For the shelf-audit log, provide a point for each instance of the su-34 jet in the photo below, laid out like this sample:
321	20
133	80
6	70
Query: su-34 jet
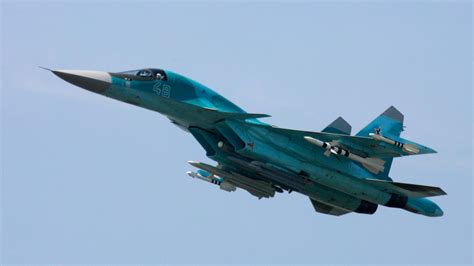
339	173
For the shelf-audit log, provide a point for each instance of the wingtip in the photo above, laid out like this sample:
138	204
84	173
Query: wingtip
425	150
430	150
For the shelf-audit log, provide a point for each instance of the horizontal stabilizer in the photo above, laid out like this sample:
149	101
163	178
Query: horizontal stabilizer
326	209
339	126
409	190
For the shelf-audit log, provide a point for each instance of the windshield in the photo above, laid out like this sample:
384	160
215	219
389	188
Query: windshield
144	73
147	73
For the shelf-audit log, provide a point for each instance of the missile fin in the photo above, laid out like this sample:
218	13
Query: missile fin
409	148
374	165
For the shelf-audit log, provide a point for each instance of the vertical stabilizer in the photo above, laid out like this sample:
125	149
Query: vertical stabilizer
389	123
339	126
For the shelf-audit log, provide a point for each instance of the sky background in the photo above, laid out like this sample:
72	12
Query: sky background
87	179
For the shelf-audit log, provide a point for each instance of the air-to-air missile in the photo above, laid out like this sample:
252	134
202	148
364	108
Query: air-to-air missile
211	178
374	165
408	148
257	188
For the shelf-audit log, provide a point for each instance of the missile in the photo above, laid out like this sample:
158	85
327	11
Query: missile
208	177
199	176
231	180
322	144
374	165
408	148
208	168
212	179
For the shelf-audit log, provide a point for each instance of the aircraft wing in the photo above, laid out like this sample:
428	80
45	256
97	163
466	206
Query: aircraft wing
379	139
364	146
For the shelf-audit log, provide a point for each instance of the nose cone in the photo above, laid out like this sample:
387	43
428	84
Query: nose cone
95	81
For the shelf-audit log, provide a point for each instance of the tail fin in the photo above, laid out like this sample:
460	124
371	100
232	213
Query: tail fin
338	126
390	123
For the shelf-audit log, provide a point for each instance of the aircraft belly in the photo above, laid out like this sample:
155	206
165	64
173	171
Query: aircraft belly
315	191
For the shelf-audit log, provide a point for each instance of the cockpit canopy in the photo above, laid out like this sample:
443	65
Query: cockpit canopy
146	74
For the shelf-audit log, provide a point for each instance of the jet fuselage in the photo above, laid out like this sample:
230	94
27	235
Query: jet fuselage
248	147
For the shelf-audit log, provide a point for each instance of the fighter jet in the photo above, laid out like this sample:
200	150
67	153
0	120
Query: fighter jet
339	172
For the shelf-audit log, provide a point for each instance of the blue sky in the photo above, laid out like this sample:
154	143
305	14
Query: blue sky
86	179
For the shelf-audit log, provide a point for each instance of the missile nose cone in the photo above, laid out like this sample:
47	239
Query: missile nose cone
192	162
314	141
95	81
